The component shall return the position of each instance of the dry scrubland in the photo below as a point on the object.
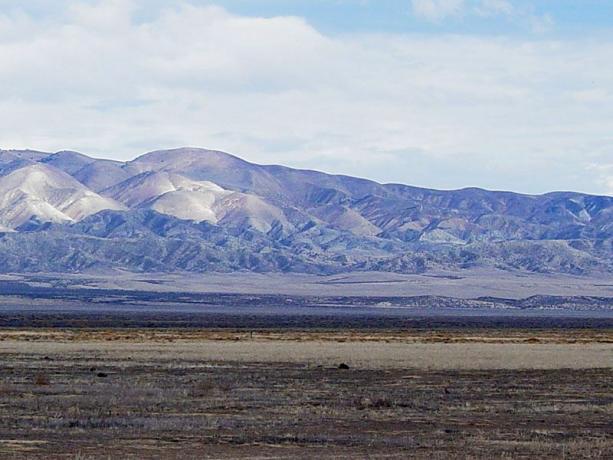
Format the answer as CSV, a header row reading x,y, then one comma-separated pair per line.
x,y
281,394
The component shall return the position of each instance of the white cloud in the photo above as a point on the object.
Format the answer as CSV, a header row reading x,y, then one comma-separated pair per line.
x,y
495,7
437,111
438,10
604,176
540,24
435,10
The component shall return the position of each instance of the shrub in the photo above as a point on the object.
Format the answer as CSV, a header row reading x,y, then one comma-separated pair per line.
x,y
41,379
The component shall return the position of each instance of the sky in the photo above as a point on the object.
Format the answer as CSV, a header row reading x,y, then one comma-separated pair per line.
x,y
500,94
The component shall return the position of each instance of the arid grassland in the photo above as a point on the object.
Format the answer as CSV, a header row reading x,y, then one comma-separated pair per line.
x,y
223,394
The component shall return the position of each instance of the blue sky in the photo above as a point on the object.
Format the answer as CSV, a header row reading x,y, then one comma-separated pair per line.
x,y
569,17
501,94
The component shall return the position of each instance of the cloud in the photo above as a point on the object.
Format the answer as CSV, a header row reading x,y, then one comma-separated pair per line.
x,y
604,176
435,10
495,7
438,10
444,111
608,183
540,24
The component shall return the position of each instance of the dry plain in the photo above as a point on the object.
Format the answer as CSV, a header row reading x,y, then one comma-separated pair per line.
x,y
195,393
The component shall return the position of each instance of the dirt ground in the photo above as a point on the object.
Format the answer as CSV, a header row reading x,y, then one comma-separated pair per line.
x,y
284,394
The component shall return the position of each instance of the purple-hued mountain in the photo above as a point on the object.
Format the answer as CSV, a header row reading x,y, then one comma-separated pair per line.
x,y
200,210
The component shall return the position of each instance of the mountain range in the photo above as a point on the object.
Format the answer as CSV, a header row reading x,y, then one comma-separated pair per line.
x,y
200,210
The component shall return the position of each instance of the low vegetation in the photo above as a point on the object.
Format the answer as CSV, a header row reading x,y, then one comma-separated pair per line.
x,y
125,404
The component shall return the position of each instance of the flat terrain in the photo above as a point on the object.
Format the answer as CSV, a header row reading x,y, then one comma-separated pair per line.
x,y
464,284
194,393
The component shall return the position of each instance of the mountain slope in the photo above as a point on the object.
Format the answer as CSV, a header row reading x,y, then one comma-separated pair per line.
x,y
45,194
67,161
408,213
178,196
196,209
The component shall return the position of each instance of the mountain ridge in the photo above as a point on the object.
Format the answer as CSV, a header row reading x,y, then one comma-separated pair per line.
x,y
45,155
206,210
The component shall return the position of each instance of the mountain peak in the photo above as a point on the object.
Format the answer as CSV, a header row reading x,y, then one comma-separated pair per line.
x,y
184,155
7,156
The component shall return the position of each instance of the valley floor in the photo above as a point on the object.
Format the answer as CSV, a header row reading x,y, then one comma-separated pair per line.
x,y
194,393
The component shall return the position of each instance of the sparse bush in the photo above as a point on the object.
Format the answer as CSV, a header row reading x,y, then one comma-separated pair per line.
x,y
202,388
41,379
374,403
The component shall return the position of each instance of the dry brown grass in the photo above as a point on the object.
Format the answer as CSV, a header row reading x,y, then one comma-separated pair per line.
x,y
511,336
170,400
